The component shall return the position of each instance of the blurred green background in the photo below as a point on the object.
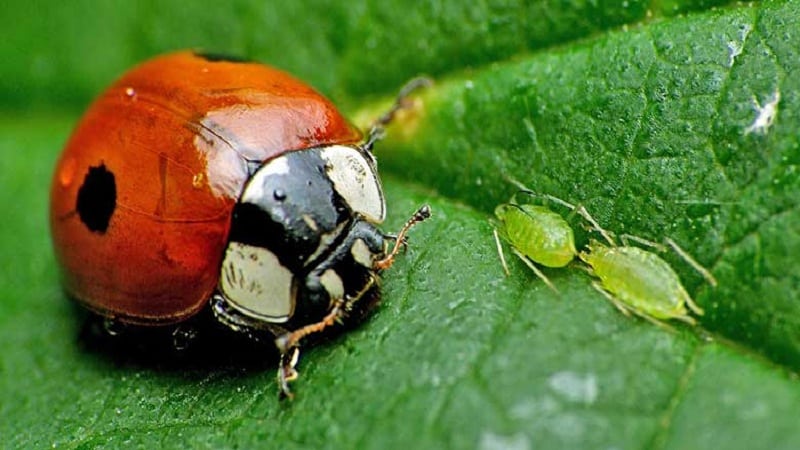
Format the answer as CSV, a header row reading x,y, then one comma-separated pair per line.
x,y
638,110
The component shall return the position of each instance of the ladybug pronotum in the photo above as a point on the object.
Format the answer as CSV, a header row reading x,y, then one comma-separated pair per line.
x,y
201,182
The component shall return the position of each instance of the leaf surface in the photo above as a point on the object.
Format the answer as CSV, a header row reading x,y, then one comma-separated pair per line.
x,y
662,119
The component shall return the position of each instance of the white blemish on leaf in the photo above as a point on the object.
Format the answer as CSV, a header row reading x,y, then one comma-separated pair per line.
x,y
766,114
735,46
493,441
530,409
574,387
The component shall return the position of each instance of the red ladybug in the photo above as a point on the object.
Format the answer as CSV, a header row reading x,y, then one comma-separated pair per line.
x,y
198,182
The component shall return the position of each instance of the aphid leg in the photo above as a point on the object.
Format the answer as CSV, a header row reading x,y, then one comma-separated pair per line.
x,y
500,252
659,323
378,128
535,270
694,307
586,268
421,214
687,319
627,310
705,273
695,265
619,305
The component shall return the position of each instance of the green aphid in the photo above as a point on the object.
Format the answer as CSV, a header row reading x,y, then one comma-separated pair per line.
x,y
536,234
641,282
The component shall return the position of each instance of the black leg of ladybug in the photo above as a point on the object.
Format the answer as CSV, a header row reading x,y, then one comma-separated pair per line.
x,y
183,336
421,214
377,130
113,327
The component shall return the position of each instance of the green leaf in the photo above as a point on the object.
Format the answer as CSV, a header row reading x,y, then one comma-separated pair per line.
x,y
655,121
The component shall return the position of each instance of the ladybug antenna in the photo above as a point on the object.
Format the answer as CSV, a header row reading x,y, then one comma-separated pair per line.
x,y
378,129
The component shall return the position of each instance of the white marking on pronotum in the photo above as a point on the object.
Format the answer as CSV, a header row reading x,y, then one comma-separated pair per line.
x,y
766,114
255,188
361,253
256,283
356,181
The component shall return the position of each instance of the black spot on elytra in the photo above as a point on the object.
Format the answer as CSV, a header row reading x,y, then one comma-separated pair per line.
x,y
220,57
97,198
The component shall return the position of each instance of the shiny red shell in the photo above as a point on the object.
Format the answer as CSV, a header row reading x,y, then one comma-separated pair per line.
x,y
176,134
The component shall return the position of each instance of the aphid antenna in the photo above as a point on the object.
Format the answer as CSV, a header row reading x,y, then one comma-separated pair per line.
x,y
520,209
627,310
528,191
500,252
535,270
378,129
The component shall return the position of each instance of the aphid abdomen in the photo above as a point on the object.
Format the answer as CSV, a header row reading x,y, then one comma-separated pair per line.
x,y
542,235
639,279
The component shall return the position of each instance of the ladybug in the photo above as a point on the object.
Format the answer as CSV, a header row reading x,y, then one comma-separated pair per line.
x,y
200,182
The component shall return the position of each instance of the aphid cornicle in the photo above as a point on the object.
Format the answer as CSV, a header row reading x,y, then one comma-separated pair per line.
x,y
197,181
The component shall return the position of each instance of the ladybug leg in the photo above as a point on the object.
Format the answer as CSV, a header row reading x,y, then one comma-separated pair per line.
x,y
182,336
289,343
112,327
287,372
291,339
421,214
378,128
394,238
